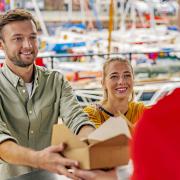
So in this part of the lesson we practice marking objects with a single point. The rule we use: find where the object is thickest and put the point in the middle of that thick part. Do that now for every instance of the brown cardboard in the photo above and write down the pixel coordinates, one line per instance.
(107, 146)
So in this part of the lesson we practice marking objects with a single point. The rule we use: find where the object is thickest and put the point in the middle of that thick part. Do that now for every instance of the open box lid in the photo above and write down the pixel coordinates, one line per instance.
(119, 140)
(114, 126)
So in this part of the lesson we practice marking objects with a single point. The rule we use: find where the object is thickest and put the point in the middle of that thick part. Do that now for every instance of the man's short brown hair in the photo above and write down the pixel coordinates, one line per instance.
(15, 15)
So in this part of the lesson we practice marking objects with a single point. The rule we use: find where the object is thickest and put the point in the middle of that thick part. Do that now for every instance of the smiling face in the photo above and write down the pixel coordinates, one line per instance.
(19, 42)
(118, 80)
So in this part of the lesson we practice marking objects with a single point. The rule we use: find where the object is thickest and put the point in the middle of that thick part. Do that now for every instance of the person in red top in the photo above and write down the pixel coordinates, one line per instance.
(156, 141)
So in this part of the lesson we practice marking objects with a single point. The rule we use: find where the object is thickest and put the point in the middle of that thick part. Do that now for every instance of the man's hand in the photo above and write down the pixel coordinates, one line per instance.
(95, 174)
(51, 159)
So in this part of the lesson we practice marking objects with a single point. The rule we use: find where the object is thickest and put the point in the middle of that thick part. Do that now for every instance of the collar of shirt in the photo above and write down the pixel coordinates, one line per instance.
(15, 79)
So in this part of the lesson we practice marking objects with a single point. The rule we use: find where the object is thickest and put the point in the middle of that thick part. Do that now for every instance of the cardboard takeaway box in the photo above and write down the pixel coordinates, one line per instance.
(106, 147)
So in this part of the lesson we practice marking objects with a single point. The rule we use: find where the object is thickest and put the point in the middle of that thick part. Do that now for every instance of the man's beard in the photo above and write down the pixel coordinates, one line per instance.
(18, 61)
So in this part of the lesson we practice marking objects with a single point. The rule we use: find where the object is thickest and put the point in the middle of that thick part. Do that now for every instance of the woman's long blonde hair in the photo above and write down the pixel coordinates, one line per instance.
(104, 74)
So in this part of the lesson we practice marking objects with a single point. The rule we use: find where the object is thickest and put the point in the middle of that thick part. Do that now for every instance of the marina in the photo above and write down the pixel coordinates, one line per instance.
(76, 38)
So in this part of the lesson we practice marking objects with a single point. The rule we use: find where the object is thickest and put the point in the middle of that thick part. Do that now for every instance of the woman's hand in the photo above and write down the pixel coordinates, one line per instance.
(95, 174)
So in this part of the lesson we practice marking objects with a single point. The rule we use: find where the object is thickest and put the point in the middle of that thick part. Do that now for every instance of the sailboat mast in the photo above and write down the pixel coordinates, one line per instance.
(40, 18)
(178, 15)
(152, 18)
(111, 21)
(12, 4)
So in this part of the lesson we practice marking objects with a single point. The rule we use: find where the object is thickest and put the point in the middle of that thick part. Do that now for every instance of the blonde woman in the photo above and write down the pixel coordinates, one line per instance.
(117, 83)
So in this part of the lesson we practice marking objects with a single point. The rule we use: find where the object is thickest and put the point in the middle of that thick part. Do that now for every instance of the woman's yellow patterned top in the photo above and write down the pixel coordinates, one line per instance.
(135, 110)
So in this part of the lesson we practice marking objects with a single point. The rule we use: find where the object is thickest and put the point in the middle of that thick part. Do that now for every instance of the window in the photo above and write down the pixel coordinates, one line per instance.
(146, 96)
